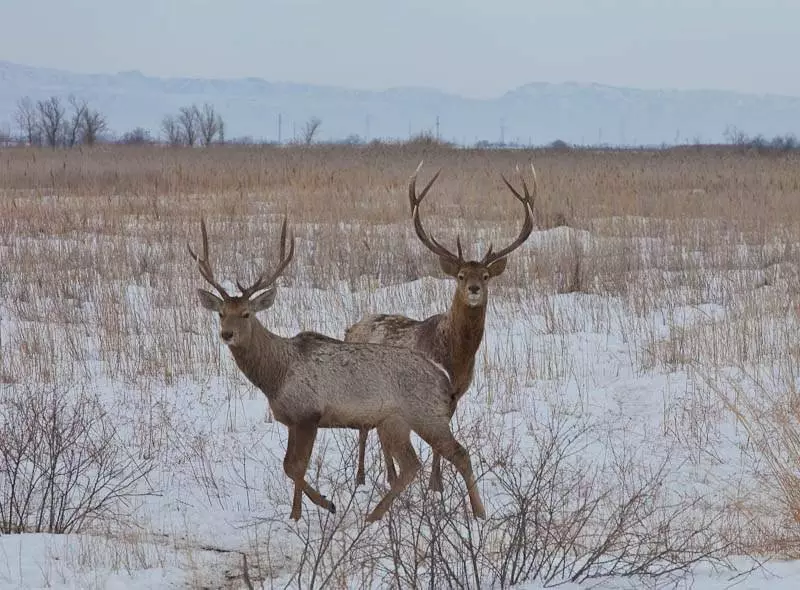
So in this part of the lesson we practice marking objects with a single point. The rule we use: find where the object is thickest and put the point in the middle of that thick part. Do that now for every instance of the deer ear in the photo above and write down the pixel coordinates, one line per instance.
(263, 300)
(449, 267)
(209, 300)
(497, 267)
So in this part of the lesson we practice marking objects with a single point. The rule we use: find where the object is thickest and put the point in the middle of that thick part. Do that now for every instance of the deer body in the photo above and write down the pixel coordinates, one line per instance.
(451, 339)
(313, 381)
(339, 385)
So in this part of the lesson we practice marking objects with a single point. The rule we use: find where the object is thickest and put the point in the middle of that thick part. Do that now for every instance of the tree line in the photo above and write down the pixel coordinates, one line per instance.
(53, 122)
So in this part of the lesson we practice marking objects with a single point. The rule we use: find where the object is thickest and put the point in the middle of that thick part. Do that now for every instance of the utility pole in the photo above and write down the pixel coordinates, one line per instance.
(437, 128)
(366, 129)
(280, 127)
(502, 131)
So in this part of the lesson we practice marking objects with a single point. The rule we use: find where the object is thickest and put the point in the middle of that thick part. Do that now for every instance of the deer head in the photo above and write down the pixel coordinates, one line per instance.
(237, 312)
(472, 275)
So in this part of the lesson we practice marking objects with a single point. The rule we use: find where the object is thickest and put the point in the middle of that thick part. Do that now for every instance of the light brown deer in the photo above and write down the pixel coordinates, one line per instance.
(312, 381)
(451, 339)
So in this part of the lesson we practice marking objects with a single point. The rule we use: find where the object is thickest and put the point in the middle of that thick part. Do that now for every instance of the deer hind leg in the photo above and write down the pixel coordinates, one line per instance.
(362, 449)
(391, 474)
(298, 454)
(395, 437)
(441, 439)
(435, 482)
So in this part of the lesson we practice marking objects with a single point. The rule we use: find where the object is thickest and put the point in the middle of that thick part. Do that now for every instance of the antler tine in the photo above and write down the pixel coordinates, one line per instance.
(431, 243)
(203, 263)
(415, 200)
(263, 282)
(527, 199)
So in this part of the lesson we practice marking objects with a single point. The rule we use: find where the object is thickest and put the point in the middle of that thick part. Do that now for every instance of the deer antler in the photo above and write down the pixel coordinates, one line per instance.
(427, 240)
(204, 265)
(527, 199)
(264, 282)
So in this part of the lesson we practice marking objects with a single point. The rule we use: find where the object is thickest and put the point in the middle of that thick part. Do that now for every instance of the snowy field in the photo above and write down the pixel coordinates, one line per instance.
(633, 419)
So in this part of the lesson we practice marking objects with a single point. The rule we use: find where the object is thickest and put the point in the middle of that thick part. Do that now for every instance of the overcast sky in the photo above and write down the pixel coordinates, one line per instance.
(474, 48)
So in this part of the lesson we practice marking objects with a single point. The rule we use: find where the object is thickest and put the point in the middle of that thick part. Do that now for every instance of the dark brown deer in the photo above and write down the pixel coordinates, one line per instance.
(451, 339)
(312, 381)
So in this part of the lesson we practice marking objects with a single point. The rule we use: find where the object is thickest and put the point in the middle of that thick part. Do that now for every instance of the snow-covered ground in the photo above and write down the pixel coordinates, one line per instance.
(612, 398)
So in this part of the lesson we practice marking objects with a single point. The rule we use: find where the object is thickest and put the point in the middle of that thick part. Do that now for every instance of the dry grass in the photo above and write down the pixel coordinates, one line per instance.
(687, 256)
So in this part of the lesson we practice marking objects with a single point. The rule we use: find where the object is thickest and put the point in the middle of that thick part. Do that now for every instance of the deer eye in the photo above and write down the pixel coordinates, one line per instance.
(245, 314)
(461, 276)
(486, 276)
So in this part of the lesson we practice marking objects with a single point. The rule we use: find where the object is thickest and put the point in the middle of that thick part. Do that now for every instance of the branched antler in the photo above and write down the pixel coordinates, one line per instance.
(204, 265)
(527, 199)
(263, 282)
(427, 240)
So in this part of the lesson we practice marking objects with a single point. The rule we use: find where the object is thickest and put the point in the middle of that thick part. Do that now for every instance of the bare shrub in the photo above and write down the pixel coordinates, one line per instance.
(63, 464)
(558, 515)
(310, 130)
(136, 136)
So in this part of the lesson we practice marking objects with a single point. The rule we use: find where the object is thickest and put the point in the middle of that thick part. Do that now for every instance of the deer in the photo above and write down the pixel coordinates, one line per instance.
(451, 339)
(313, 381)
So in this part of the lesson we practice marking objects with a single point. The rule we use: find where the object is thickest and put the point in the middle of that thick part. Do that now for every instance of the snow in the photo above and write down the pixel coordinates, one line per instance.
(584, 360)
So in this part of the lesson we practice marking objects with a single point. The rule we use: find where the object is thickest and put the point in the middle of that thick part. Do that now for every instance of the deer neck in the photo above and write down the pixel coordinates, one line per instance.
(264, 360)
(466, 325)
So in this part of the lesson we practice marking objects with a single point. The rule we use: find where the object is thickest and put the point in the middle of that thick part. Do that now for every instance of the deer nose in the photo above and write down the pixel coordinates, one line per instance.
(226, 335)
(474, 289)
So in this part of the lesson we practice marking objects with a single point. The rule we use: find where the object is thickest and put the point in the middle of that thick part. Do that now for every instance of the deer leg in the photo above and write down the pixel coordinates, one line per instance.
(396, 441)
(441, 439)
(289, 461)
(391, 473)
(435, 482)
(297, 465)
(362, 449)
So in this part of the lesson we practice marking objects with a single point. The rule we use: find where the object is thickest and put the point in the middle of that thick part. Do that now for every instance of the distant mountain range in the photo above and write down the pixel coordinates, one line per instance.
(536, 113)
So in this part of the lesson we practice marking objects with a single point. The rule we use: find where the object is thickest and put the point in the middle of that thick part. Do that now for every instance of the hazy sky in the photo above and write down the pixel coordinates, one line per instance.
(475, 48)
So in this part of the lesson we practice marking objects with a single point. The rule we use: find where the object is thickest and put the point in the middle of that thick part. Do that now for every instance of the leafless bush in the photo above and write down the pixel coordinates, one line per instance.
(136, 136)
(557, 515)
(310, 130)
(63, 464)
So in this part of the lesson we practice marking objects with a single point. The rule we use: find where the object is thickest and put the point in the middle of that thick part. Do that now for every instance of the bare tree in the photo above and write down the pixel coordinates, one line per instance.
(136, 136)
(27, 121)
(52, 116)
(209, 123)
(94, 123)
(310, 130)
(74, 126)
(188, 123)
(172, 130)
